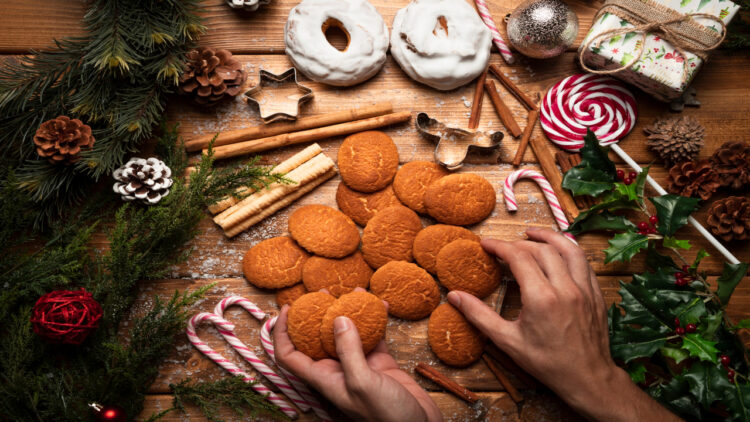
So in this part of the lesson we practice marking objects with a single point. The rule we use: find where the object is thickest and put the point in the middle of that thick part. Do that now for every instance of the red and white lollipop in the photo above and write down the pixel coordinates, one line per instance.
(587, 101)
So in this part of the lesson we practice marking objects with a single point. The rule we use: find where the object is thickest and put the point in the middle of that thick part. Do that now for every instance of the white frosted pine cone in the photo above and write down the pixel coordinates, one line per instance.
(145, 179)
(249, 5)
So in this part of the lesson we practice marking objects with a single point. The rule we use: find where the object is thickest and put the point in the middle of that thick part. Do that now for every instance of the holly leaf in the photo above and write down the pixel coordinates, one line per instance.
(586, 181)
(738, 402)
(698, 258)
(655, 260)
(707, 383)
(640, 184)
(711, 324)
(650, 306)
(671, 242)
(678, 355)
(675, 395)
(745, 323)
(624, 246)
(673, 212)
(595, 156)
(602, 221)
(700, 348)
(692, 312)
(637, 372)
(630, 343)
(731, 275)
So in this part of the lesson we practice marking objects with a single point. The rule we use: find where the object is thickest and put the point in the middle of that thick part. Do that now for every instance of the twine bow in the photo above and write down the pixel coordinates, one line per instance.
(680, 30)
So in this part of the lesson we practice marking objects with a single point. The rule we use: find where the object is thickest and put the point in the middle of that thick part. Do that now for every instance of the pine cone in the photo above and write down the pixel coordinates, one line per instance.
(729, 218)
(60, 140)
(147, 180)
(693, 178)
(732, 162)
(675, 140)
(211, 76)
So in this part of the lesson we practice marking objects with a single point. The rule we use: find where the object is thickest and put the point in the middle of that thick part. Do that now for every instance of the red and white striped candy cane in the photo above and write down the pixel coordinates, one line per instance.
(267, 343)
(549, 194)
(248, 354)
(222, 326)
(484, 13)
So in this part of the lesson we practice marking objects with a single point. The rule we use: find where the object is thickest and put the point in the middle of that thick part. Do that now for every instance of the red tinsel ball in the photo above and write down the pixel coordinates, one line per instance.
(65, 316)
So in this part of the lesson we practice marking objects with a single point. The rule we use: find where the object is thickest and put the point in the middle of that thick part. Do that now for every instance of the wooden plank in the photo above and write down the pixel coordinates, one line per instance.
(407, 340)
(27, 26)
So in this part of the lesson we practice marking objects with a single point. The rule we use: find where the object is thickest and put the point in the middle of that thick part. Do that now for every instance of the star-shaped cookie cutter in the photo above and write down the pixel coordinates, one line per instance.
(270, 81)
(453, 144)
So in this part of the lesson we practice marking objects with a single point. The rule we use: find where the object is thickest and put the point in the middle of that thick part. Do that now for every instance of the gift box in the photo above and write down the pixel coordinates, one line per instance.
(663, 69)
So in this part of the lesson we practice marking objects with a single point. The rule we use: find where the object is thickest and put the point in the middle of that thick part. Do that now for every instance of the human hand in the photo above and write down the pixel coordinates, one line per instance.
(561, 336)
(367, 388)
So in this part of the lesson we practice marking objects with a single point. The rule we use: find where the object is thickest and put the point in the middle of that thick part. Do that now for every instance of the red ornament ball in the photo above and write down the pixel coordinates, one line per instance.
(65, 316)
(109, 413)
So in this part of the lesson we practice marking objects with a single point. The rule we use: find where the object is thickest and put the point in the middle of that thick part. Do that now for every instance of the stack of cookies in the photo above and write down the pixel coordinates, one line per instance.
(324, 252)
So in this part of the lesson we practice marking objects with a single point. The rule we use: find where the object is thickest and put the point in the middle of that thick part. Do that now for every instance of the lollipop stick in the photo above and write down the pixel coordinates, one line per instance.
(693, 222)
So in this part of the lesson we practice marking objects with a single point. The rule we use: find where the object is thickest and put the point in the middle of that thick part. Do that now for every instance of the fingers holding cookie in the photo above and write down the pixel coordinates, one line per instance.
(304, 322)
(365, 310)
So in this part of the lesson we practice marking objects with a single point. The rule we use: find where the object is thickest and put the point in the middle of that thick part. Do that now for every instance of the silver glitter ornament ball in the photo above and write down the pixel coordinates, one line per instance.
(542, 28)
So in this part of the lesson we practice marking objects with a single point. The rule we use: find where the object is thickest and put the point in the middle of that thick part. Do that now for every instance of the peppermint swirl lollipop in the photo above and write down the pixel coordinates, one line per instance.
(587, 101)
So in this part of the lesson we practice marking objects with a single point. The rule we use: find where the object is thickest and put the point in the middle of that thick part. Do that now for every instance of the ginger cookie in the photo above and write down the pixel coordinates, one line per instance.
(288, 295)
(366, 311)
(274, 263)
(324, 231)
(464, 265)
(431, 239)
(389, 236)
(410, 291)
(452, 338)
(412, 180)
(304, 321)
(338, 276)
(361, 207)
(460, 199)
(368, 161)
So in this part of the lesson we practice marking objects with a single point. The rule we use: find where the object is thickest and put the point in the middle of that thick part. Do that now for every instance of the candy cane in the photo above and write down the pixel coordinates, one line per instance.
(267, 343)
(549, 194)
(222, 326)
(248, 354)
(484, 12)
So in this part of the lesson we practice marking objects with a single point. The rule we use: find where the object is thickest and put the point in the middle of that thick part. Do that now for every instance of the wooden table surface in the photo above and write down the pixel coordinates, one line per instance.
(257, 39)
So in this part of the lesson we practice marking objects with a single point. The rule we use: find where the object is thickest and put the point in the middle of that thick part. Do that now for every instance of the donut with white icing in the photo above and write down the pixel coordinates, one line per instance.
(440, 43)
(313, 55)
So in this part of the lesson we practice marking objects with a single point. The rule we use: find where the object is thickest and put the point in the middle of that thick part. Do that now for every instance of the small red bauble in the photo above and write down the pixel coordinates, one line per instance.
(65, 316)
(109, 413)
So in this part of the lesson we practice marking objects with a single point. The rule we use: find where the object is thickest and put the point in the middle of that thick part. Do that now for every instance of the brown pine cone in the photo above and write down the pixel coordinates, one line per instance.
(729, 218)
(60, 140)
(675, 140)
(693, 179)
(211, 76)
(732, 162)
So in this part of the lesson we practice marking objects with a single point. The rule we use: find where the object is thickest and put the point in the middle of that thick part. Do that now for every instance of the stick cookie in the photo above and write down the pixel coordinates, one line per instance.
(453, 339)
(412, 180)
(274, 263)
(368, 161)
(431, 239)
(389, 236)
(464, 265)
(360, 206)
(460, 199)
(338, 276)
(324, 231)
(410, 291)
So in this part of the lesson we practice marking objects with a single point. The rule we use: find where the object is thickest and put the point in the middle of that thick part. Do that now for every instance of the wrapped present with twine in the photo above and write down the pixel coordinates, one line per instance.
(656, 45)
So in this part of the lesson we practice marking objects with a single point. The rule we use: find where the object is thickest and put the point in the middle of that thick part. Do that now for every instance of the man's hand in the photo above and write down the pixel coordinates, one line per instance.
(367, 388)
(561, 336)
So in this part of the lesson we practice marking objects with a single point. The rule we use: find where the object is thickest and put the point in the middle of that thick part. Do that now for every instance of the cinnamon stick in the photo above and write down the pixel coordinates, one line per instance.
(549, 168)
(304, 123)
(503, 112)
(476, 105)
(458, 390)
(264, 144)
(504, 381)
(515, 90)
(530, 123)
(508, 363)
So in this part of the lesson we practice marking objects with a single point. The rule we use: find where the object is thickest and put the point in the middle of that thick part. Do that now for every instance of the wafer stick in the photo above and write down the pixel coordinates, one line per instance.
(513, 88)
(256, 202)
(276, 206)
(263, 131)
(263, 144)
(284, 167)
(503, 112)
(530, 123)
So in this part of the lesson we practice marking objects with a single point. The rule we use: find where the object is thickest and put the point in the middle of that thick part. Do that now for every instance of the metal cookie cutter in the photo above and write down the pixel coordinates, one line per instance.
(269, 86)
(454, 144)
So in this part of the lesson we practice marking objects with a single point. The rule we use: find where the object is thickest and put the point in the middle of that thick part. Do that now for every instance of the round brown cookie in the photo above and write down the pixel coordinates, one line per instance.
(389, 236)
(431, 239)
(368, 161)
(361, 207)
(460, 199)
(410, 291)
(304, 321)
(274, 263)
(452, 338)
(338, 276)
(412, 180)
(324, 231)
(464, 265)
(366, 311)
(288, 295)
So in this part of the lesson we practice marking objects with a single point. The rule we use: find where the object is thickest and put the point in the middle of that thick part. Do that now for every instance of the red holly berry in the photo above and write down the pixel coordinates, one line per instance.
(680, 331)
(620, 175)
(632, 175)
(628, 181)
(676, 322)
(725, 360)
(652, 230)
(643, 226)
(679, 274)
(731, 379)
(730, 373)
(690, 328)
(685, 268)
(681, 282)
(654, 220)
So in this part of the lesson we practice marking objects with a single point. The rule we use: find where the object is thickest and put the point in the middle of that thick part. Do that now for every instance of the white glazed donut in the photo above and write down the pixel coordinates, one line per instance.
(430, 55)
(313, 55)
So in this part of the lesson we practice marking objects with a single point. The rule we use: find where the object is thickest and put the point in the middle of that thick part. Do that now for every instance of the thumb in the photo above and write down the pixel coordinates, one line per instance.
(501, 331)
(349, 349)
